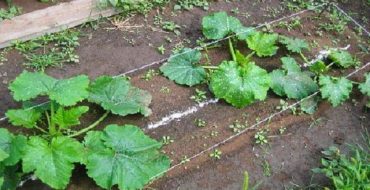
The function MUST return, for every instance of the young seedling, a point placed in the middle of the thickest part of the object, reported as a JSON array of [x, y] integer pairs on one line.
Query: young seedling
[[165, 90], [149, 75], [200, 123], [166, 140], [216, 154], [161, 49], [261, 137], [237, 127], [199, 96]]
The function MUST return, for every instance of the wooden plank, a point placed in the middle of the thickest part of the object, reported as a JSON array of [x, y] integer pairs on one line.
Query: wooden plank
[[50, 20]]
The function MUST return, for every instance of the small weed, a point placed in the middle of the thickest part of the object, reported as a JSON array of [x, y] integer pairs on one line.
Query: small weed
[[9, 13], [161, 49], [41, 61], [266, 168], [214, 133], [166, 140], [184, 159], [199, 96], [165, 90], [50, 50], [149, 75], [216, 154], [190, 4], [261, 137], [200, 123], [171, 27], [237, 127], [282, 130], [283, 105]]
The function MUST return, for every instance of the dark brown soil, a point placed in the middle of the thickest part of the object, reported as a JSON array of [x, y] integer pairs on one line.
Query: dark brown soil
[[290, 155]]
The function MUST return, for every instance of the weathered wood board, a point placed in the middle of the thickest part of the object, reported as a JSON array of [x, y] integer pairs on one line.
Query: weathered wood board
[[51, 19]]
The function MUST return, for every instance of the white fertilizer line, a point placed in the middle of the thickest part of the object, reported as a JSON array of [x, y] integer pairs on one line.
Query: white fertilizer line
[[178, 115], [323, 54], [198, 48], [255, 126], [352, 19]]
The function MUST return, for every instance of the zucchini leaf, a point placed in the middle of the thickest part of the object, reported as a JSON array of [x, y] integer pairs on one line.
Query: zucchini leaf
[[294, 45], [336, 90], [219, 25], [66, 92], [123, 156], [291, 81], [66, 118], [11, 147], [263, 43], [342, 58], [116, 94], [52, 162], [365, 87], [240, 85], [183, 68], [23, 117]]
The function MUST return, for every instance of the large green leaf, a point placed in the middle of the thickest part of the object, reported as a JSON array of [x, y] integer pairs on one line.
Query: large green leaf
[[23, 117], [365, 87], [263, 43], [30, 85], [52, 162], [294, 45], [240, 85], [291, 81], [183, 69], [219, 25], [66, 118], [123, 156], [116, 94], [66, 92], [342, 58], [336, 90], [11, 147]]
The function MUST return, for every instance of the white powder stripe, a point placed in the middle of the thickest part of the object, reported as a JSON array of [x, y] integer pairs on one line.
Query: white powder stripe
[[178, 115]]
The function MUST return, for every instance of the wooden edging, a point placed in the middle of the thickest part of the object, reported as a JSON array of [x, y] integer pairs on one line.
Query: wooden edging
[[50, 20]]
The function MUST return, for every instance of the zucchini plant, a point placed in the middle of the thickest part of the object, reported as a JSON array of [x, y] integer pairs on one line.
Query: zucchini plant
[[118, 155], [240, 82]]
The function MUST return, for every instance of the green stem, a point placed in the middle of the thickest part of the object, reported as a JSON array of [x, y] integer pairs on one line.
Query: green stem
[[206, 55], [84, 130], [40, 129], [52, 129], [209, 67], [303, 57], [232, 51]]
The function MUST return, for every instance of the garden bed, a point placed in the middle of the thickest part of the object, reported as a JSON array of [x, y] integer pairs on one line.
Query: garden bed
[[287, 158]]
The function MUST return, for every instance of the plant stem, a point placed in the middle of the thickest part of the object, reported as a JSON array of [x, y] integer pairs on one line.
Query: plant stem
[[231, 47], [209, 67], [52, 129], [206, 55], [84, 130], [304, 57], [40, 129]]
